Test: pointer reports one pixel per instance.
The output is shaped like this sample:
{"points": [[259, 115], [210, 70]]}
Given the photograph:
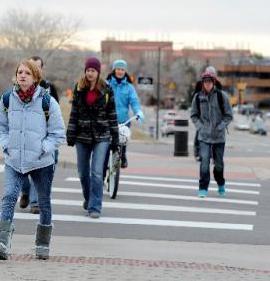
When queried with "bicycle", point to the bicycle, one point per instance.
{"points": [[114, 164]]}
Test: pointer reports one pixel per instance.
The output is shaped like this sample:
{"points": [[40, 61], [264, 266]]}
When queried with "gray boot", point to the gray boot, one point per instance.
{"points": [[43, 237], [6, 231]]}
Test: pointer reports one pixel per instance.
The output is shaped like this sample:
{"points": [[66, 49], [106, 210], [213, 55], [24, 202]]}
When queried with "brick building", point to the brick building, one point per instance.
{"points": [[253, 75], [142, 57]]}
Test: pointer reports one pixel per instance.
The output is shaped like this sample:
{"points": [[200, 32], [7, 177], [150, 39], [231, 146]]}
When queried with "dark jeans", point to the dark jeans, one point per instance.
{"points": [[217, 152], [28, 187], [90, 159], [42, 179]]}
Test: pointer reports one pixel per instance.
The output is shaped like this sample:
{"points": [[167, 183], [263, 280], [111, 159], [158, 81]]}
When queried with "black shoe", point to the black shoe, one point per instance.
{"points": [[24, 201], [124, 163]]}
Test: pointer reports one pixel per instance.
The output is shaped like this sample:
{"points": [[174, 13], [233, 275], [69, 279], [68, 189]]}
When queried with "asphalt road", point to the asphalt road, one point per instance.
{"points": [[159, 208]]}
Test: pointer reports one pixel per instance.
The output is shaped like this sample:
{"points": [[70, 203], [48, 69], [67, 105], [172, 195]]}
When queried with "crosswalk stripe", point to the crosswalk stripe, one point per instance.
{"points": [[164, 196], [176, 186], [187, 180], [152, 207], [188, 198], [135, 221], [144, 184], [76, 179]]}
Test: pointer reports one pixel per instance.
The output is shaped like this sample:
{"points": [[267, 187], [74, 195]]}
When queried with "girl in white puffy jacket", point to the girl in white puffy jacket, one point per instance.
{"points": [[28, 141]]}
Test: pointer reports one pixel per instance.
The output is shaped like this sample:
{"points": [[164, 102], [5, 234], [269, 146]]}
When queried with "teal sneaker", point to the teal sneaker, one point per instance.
{"points": [[221, 190], [202, 193]]}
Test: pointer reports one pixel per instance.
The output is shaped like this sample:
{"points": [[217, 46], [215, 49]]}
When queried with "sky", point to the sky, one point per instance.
{"points": [[188, 23]]}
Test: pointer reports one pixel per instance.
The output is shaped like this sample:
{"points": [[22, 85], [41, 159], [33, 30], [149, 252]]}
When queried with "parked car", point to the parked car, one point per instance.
{"points": [[242, 126], [257, 125], [168, 123], [167, 128]]}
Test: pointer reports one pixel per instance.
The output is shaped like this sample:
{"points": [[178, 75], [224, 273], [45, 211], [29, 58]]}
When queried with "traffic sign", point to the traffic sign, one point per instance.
{"points": [[145, 80], [145, 83]]}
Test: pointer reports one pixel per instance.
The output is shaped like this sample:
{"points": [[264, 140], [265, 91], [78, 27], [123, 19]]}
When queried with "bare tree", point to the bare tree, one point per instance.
{"points": [[36, 33]]}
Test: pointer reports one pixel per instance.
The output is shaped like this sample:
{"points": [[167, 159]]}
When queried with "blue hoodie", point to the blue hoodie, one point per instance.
{"points": [[125, 96]]}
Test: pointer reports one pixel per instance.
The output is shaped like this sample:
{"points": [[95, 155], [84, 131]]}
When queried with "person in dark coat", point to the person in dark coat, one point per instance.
{"points": [[198, 88], [92, 128], [211, 122]]}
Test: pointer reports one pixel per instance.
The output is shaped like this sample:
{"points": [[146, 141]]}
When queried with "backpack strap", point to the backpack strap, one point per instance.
{"points": [[220, 101], [5, 98], [46, 105]]}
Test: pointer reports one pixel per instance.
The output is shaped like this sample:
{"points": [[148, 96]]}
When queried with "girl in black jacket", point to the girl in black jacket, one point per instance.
{"points": [[92, 124]]}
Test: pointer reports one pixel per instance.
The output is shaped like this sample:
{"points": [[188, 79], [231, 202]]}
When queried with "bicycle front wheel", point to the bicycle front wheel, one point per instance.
{"points": [[113, 178]]}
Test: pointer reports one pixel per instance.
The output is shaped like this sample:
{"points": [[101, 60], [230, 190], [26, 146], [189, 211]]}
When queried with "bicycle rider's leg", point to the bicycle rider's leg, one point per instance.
{"points": [[124, 161]]}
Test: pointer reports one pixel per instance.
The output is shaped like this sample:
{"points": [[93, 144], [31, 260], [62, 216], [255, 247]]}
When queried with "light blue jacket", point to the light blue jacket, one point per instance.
{"points": [[125, 96], [27, 139]]}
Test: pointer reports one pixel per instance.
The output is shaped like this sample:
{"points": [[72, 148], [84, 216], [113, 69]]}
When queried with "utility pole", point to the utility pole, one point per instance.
{"points": [[158, 92]]}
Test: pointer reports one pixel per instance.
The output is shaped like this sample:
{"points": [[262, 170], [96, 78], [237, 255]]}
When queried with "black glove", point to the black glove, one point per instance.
{"points": [[71, 141]]}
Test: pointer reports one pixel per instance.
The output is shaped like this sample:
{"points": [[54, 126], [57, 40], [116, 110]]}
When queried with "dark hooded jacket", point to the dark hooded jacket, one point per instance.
{"points": [[209, 120]]}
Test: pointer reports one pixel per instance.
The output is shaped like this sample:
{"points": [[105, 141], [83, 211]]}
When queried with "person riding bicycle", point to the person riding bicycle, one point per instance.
{"points": [[125, 97]]}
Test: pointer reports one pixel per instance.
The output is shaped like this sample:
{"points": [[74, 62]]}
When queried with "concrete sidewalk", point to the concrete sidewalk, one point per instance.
{"points": [[75, 258]]}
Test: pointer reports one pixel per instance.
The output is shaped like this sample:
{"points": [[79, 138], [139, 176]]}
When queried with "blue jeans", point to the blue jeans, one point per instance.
{"points": [[28, 187], [217, 152], [14, 180], [90, 161]]}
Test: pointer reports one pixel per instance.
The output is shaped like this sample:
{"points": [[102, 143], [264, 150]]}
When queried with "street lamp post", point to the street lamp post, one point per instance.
{"points": [[158, 92]]}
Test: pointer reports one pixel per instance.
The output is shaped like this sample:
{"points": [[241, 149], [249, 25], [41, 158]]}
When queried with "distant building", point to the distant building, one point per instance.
{"points": [[199, 58], [179, 69], [135, 52], [252, 75]]}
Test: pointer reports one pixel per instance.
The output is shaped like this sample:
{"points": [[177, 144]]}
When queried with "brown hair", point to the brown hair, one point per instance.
{"points": [[83, 83], [32, 67]]}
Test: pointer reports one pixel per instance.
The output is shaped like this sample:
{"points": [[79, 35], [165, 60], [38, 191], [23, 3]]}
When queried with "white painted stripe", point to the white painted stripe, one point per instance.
{"points": [[188, 180], [66, 190], [176, 186], [164, 196], [135, 221], [75, 179], [72, 179], [152, 207], [188, 198]]}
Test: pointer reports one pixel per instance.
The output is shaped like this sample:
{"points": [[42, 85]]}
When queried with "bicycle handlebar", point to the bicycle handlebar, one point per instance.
{"points": [[129, 120]]}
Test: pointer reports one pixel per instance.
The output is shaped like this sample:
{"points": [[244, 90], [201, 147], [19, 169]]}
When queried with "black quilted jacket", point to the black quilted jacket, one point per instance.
{"points": [[95, 123]]}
